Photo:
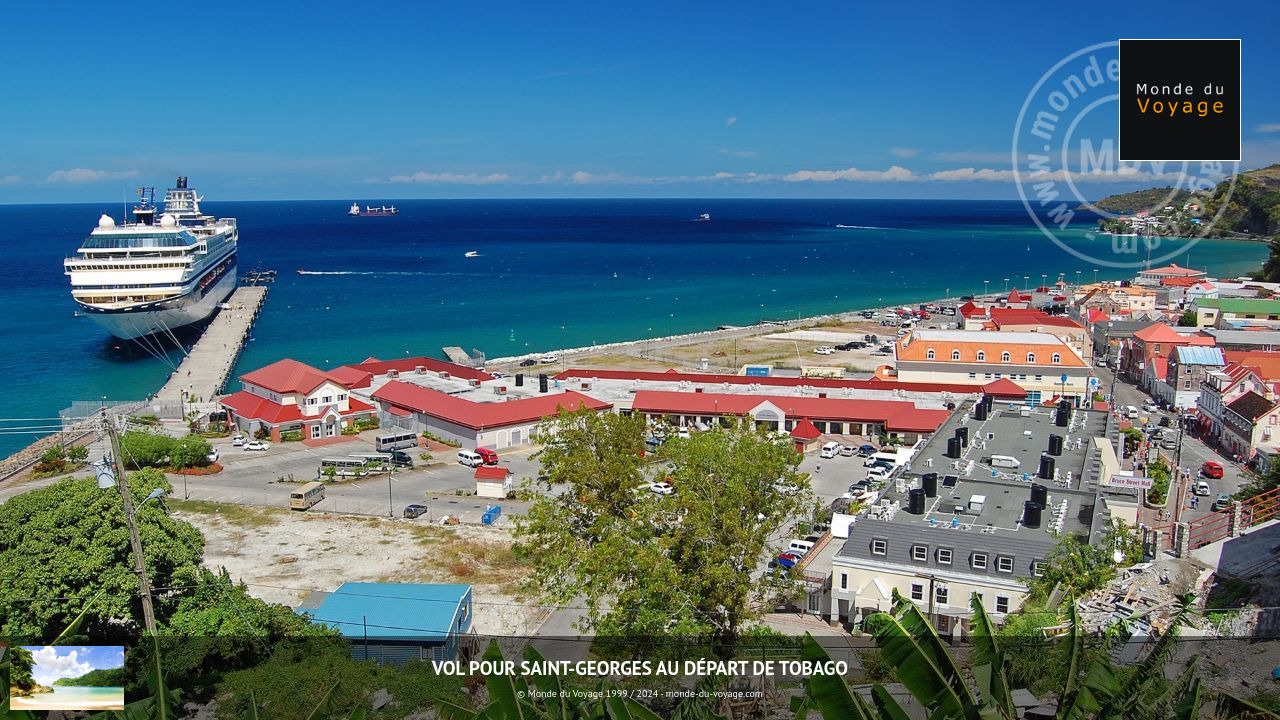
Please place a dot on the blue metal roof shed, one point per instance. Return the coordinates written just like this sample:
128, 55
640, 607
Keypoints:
395, 622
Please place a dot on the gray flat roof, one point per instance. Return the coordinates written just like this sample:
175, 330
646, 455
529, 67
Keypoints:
979, 506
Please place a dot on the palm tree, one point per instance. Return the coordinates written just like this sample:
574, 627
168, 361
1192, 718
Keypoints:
1094, 688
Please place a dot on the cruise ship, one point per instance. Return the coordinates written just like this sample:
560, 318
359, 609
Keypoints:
158, 272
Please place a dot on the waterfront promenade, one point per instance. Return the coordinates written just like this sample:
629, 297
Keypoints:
205, 370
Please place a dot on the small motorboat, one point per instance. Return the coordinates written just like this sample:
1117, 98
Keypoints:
472, 253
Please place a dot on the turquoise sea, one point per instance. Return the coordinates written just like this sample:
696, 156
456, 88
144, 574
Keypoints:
550, 274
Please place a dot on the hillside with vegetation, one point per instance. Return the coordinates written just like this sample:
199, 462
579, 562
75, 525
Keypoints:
1139, 200
104, 677
1252, 207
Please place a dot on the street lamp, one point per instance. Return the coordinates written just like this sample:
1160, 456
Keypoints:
984, 287
1006, 286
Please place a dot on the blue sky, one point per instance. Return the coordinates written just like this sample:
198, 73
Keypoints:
569, 99
52, 663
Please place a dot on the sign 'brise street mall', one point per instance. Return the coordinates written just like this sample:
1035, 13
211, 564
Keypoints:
1180, 100
1130, 481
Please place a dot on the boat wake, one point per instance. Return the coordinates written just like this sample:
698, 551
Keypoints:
361, 272
864, 227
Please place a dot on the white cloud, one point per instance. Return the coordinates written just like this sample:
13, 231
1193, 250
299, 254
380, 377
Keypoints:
447, 178
739, 153
904, 152
87, 175
10, 180
1267, 128
895, 173
50, 666
968, 174
729, 121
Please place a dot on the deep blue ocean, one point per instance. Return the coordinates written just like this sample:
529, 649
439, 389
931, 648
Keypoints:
550, 274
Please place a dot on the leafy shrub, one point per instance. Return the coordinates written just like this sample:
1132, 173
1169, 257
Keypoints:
145, 449
291, 436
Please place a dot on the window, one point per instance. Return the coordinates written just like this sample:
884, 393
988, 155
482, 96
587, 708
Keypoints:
999, 375
815, 602
986, 376
1031, 358
342, 396
944, 556
919, 553
844, 581
973, 375
1005, 356
1056, 359
978, 561
928, 355
311, 401
1039, 378
326, 399
1004, 563
1002, 604
879, 547
940, 594
315, 431
955, 354
917, 591
1037, 568
982, 356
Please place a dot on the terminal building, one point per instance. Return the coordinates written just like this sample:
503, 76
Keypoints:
288, 395
978, 510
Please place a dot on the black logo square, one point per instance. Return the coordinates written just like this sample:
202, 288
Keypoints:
1180, 100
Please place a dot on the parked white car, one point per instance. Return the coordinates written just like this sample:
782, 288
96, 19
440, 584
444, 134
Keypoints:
1202, 489
257, 445
239, 440
546, 359
662, 488
824, 350
213, 455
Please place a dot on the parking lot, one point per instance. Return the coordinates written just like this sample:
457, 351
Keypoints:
265, 478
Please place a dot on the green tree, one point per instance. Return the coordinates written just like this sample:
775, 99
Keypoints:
649, 565
190, 451
20, 666
144, 449
1187, 318
1079, 567
1271, 268
62, 545
78, 454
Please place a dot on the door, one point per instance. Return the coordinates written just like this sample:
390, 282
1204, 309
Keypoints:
330, 429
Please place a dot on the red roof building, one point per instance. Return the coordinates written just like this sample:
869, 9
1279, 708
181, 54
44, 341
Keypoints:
374, 366
673, 375
828, 415
1157, 340
477, 424
805, 430
291, 396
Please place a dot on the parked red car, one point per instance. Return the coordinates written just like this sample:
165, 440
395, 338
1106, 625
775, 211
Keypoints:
1211, 469
491, 458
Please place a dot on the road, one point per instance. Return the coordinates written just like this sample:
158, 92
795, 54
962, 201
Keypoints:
1194, 454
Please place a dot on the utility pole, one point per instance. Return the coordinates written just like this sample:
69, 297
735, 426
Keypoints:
135, 542
391, 470
1177, 468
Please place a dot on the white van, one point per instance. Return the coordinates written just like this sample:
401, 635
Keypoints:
830, 450
470, 458
1131, 412
800, 547
877, 473
881, 457
1004, 461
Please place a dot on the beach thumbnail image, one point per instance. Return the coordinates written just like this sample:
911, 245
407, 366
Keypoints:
45, 677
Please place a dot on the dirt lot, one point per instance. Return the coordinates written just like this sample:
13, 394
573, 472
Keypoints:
283, 555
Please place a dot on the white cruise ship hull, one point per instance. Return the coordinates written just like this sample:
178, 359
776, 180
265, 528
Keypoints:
194, 307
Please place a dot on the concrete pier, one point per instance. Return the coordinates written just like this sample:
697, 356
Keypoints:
458, 356
206, 369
